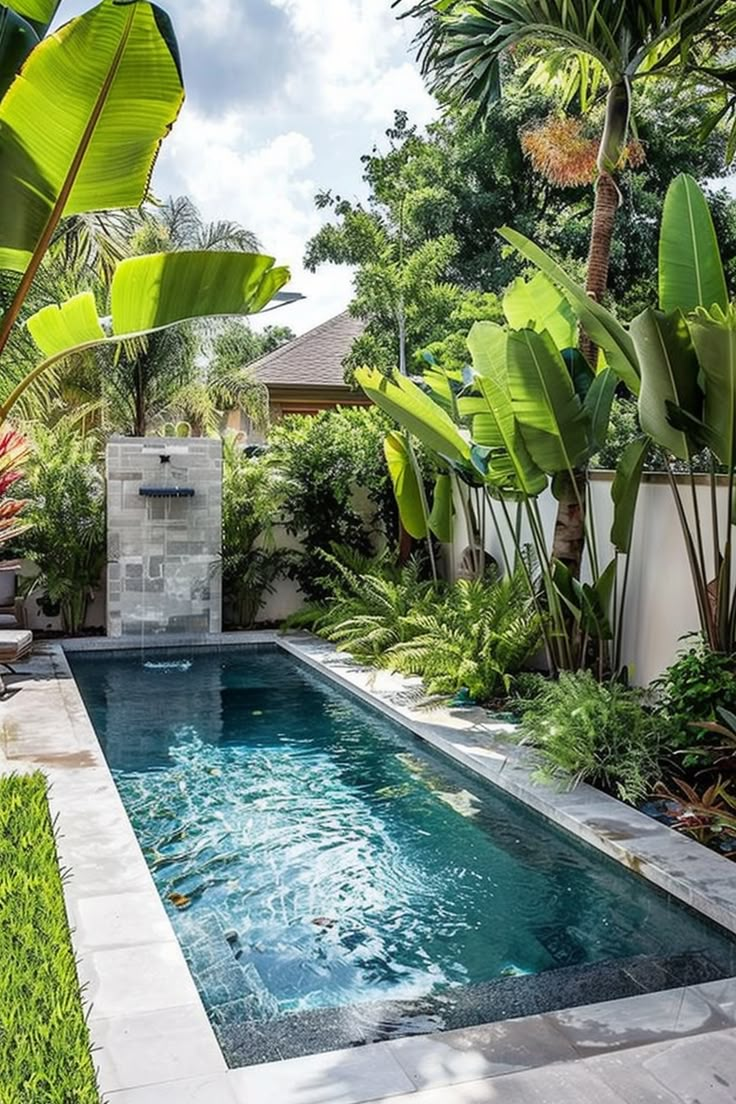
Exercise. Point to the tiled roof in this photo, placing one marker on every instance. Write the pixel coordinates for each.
(312, 360)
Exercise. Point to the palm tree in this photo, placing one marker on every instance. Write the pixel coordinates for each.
(579, 49)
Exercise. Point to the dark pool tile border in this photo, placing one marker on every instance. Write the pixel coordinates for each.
(682, 867)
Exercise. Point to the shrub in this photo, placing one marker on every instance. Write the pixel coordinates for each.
(472, 636)
(475, 638)
(66, 516)
(370, 603)
(326, 460)
(697, 684)
(44, 1045)
(252, 497)
(600, 733)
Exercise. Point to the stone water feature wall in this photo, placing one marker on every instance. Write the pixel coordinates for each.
(164, 552)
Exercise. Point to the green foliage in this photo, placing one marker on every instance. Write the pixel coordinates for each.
(329, 462)
(370, 603)
(472, 636)
(594, 732)
(253, 493)
(44, 1043)
(66, 515)
(693, 688)
(475, 639)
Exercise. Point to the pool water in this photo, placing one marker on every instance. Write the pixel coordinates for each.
(314, 856)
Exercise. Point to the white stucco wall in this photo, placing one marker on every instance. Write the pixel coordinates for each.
(660, 605)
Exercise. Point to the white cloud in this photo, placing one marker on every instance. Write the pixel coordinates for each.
(267, 188)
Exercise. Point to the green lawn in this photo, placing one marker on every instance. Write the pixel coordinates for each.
(44, 1045)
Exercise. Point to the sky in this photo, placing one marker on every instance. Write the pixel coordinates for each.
(283, 97)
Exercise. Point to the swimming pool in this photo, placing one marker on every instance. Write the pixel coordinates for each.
(333, 881)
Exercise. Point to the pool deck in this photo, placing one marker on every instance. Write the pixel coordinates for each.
(154, 1044)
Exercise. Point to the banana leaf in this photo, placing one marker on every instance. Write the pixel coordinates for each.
(601, 326)
(553, 423)
(714, 339)
(443, 512)
(17, 39)
(151, 293)
(625, 492)
(415, 411)
(81, 128)
(690, 267)
(669, 377)
(406, 488)
(538, 304)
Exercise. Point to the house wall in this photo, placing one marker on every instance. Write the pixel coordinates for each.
(660, 607)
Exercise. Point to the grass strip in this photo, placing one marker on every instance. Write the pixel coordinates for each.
(44, 1043)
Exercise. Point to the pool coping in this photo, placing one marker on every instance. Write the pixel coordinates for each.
(156, 1044)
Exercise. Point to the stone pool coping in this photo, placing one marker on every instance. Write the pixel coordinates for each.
(154, 1042)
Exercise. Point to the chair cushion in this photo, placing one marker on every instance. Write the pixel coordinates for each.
(14, 643)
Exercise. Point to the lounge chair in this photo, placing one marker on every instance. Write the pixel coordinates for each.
(14, 645)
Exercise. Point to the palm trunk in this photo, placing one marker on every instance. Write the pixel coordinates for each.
(569, 539)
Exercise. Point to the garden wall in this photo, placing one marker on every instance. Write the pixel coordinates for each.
(660, 606)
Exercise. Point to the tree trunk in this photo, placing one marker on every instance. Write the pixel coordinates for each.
(599, 256)
(569, 539)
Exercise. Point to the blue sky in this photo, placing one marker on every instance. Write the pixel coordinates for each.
(283, 96)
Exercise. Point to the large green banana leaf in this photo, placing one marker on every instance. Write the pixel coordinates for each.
(443, 510)
(690, 268)
(600, 325)
(538, 304)
(625, 492)
(151, 293)
(415, 411)
(597, 405)
(39, 13)
(406, 487)
(714, 339)
(669, 377)
(81, 128)
(506, 458)
(553, 423)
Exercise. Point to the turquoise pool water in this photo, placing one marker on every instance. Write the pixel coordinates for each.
(315, 857)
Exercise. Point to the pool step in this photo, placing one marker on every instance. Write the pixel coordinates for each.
(323, 1029)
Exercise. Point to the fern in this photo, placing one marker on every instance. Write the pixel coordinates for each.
(476, 639)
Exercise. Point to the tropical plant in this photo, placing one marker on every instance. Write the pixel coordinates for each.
(370, 601)
(677, 360)
(574, 50)
(66, 539)
(253, 494)
(474, 639)
(692, 690)
(80, 129)
(530, 410)
(14, 451)
(708, 815)
(339, 490)
(602, 733)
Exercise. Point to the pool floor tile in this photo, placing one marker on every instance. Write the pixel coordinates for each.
(338, 1077)
(132, 1051)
